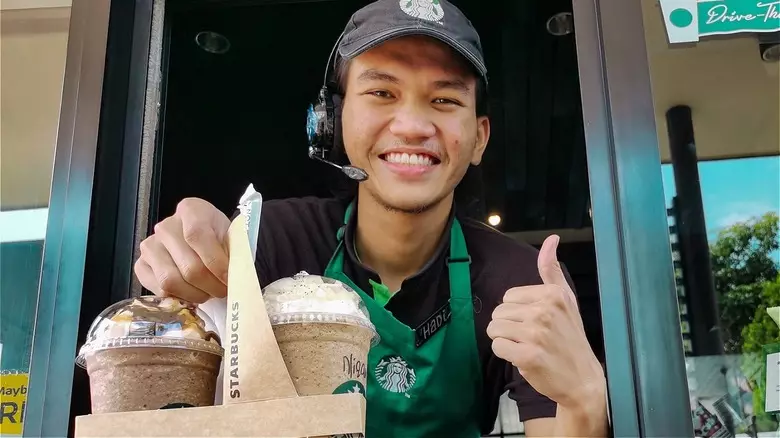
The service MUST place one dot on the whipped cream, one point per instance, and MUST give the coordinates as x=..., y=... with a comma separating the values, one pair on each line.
x=313, y=298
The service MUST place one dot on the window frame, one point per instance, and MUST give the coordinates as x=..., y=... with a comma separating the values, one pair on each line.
x=645, y=363
x=87, y=257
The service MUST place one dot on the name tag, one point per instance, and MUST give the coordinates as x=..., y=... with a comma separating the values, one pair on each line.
x=427, y=329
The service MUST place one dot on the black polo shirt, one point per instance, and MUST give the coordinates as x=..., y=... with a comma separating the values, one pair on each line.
x=300, y=235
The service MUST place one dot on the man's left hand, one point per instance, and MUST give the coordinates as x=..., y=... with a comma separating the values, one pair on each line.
x=539, y=330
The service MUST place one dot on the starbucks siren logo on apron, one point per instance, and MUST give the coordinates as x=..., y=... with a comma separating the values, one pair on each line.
x=430, y=10
x=394, y=375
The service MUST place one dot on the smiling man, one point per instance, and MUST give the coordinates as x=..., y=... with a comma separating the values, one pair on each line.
x=413, y=90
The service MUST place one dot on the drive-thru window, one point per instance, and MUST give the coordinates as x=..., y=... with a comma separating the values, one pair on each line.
x=645, y=133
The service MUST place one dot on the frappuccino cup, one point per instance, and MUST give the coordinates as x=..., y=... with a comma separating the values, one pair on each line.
x=323, y=331
x=150, y=353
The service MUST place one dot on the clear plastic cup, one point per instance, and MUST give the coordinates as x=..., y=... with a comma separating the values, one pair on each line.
x=323, y=331
x=150, y=353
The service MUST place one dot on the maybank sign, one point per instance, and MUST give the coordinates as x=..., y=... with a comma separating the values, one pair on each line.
x=689, y=20
x=13, y=399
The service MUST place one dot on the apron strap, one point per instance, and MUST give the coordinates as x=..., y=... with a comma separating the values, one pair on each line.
x=458, y=264
x=343, y=227
x=336, y=263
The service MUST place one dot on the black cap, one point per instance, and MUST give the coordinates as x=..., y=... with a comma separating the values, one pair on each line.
x=383, y=20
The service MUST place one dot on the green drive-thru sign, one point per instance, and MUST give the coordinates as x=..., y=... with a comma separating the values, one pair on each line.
x=688, y=20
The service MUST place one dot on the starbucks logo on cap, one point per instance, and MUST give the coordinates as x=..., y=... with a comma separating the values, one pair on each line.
x=395, y=375
x=429, y=10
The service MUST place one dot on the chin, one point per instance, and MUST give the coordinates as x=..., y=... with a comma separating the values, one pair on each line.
x=403, y=202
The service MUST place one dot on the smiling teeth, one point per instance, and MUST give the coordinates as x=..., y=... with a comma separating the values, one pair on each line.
x=410, y=159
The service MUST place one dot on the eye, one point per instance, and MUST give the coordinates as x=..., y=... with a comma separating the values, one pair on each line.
x=384, y=94
x=446, y=101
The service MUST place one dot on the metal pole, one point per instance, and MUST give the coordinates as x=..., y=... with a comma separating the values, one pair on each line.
x=694, y=247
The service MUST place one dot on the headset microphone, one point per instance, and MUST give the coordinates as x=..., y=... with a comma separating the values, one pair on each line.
x=352, y=172
x=321, y=124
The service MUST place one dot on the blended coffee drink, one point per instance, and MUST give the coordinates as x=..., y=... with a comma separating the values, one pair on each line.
x=150, y=353
x=323, y=331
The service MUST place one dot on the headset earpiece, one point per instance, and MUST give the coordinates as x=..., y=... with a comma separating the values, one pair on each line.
x=321, y=119
x=320, y=124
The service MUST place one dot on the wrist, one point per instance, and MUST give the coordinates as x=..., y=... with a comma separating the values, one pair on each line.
x=584, y=413
x=593, y=384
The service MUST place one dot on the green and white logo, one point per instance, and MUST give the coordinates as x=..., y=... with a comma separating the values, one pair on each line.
x=395, y=375
x=689, y=20
x=350, y=387
x=429, y=10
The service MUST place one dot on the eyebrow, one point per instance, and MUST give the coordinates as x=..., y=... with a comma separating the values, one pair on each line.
x=373, y=74
x=453, y=84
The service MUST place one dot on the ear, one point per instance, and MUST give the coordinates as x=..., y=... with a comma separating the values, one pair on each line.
x=483, y=135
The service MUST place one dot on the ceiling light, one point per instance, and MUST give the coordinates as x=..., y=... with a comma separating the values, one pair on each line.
x=212, y=42
x=494, y=220
x=769, y=46
x=770, y=52
x=561, y=24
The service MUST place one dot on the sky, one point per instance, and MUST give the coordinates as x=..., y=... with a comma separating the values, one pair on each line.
x=734, y=190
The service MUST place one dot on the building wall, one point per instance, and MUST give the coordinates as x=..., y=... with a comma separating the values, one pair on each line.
x=33, y=45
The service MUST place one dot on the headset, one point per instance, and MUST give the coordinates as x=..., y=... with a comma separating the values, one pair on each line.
x=321, y=119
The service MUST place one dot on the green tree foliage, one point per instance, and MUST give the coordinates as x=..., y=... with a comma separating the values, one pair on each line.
x=747, y=282
x=741, y=263
x=761, y=331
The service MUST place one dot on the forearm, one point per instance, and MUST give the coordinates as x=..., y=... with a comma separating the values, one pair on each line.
x=584, y=416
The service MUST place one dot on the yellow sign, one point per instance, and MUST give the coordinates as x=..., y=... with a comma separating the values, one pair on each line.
x=13, y=399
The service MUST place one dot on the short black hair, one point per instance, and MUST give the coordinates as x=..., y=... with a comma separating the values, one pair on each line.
x=469, y=193
x=341, y=70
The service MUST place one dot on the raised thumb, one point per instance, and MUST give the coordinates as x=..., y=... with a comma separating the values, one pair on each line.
x=548, y=265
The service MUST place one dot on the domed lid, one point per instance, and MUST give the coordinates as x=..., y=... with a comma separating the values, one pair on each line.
x=314, y=299
x=149, y=321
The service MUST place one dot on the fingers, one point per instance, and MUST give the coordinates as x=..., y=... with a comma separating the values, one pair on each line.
x=146, y=276
x=512, y=312
x=527, y=294
x=192, y=268
x=203, y=228
x=205, y=244
x=520, y=355
x=506, y=329
x=548, y=265
x=168, y=280
x=185, y=257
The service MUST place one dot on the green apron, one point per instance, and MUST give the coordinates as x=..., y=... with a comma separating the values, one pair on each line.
x=431, y=390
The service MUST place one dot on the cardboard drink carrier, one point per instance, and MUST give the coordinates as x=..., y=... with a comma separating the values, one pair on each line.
x=259, y=397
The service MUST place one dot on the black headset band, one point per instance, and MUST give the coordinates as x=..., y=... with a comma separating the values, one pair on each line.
x=331, y=62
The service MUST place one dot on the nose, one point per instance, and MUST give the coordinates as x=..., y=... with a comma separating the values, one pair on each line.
x=412, y=124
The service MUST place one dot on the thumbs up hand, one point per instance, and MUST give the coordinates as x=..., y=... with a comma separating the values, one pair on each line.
x=539, y=330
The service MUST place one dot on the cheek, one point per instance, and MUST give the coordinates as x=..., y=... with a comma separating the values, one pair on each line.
x=350, y=130
x=459, y=142
x=456, y=150
x=356, y=130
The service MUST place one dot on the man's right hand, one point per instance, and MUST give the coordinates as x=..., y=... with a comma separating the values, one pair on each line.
x=186, y=257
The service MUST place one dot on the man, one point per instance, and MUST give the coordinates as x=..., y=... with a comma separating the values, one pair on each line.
x=413, y=84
